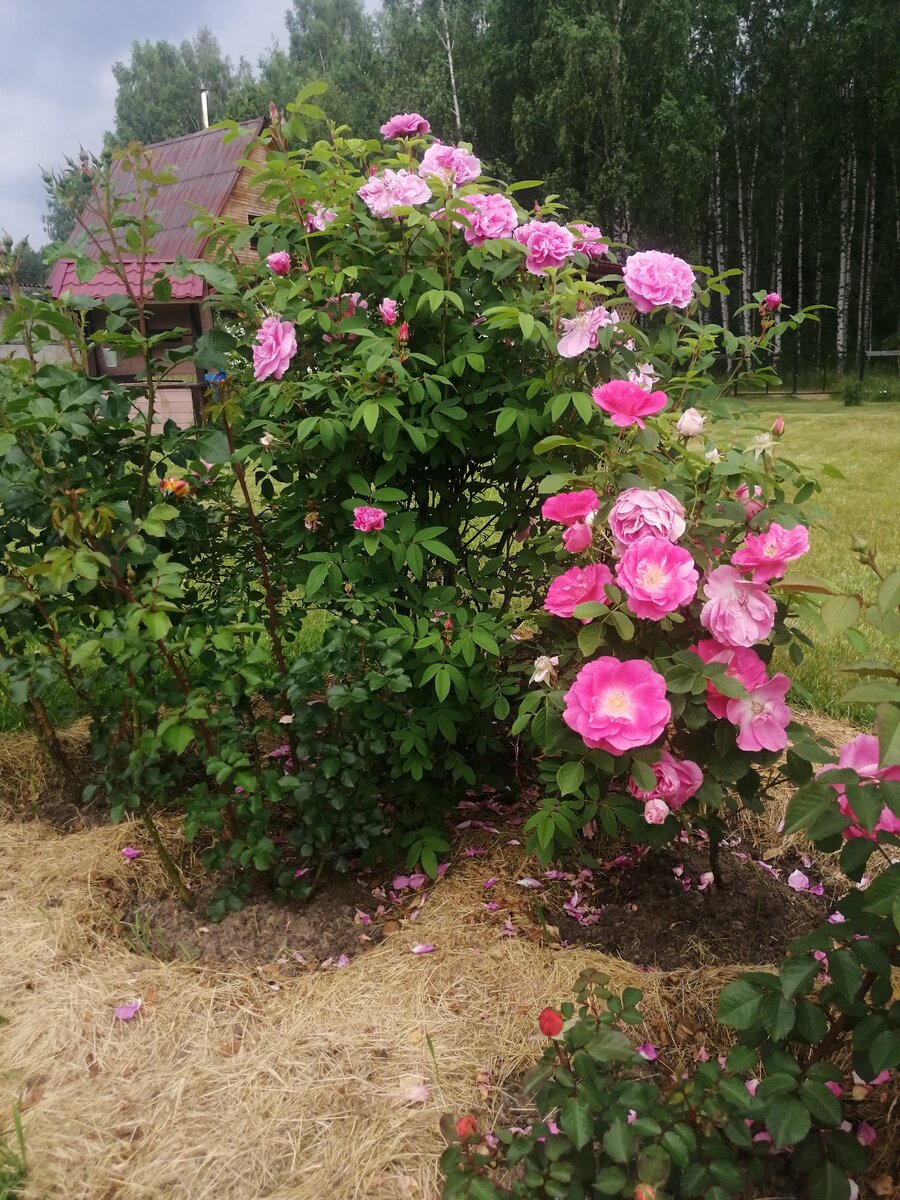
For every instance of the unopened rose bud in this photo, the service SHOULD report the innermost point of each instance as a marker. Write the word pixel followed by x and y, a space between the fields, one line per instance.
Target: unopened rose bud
pixel 466 1127
pixel 690 423
pixel 550 1022
pixel 778 426
pixel 403 333
pixel 645 1191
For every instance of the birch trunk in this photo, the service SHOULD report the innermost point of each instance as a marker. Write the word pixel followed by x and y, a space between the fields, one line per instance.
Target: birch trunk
pixel 846 233
pixel 742 235
pixel 447 43
pixel 719 236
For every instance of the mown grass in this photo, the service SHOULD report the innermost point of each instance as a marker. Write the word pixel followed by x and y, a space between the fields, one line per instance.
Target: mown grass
pixel 864 444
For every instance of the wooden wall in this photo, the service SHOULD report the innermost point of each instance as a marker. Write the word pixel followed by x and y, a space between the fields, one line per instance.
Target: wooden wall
pixel 244 201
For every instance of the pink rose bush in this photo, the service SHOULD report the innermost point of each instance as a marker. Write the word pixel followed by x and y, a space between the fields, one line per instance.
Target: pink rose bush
pixel 677 780
pixel 489 218
pixel 571 508
pixel 862 755
pixel 546 243
pixel 617 706
pixel 384 194
pixel 276 345
pixel 653 279
pixel 762 716
pixel 627 403
pixel 741 664
pixel 387 310
pixel 318 220
pixel 405 125
pixel 657 577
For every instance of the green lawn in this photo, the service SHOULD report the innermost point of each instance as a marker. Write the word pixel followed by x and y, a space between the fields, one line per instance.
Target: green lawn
pixel 864 444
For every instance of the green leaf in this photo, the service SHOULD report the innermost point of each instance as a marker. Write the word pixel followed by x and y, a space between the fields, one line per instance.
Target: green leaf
pixel 609 1181
pixel 807 806
pixel 845 972
pixel 480 1188
pixel 739 1005
pixel 211 351
pixel 316 578
pixel 577 1121
pixel 839 613
pixel 178 737
pixel 821 1102
pixel 777 1015
pixel 796 974
pixel 157 624
pixel 526 324
pixel 876 692
pixel 618 1141
pixel 887 726
pixel 883 892
pixel 569 778
pixel 828 1182
pixel 643 775
pixel 624 626
pixel 788 1121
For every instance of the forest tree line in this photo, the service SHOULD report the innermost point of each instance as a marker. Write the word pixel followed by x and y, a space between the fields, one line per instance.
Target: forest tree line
pixel 761 134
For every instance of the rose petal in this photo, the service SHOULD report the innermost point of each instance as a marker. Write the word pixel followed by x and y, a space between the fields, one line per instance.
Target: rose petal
pixel 126 1011
pixel 648 1051
pixel 422 948
pixel 798 881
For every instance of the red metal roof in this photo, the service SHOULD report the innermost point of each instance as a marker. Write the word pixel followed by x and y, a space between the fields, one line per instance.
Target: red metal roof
pixel 107 283
pixel 207 169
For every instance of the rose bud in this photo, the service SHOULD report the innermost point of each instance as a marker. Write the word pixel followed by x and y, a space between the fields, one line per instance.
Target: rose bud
pixel 690 423
pixel 645 1191
pixel 403 333
pixel 772 301
pixel 466 1127
pixel 778 426
pixel 550 1022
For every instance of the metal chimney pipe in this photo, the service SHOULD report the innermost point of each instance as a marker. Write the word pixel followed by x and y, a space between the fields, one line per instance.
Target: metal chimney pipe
pixel 204 105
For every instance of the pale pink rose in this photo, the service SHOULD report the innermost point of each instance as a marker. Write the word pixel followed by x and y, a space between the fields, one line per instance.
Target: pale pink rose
pixel 547 245
pixel 677 780
pixel 405 124
pixel 368 520
pixel 580 332
pixel 545 669
pixel 762 717
pixel 276 345
pixel 644 376
pixel 391 190
pixel 578 585
pixel 690 423
pixel 590 240
pixel 738 612
pixel 643 512
pixel 772 301
pixel 657 577
pixel 279 263
pixel 387 310
pixel 653 278
pixel 768 554
pixel 617 706
pixel 741 664
pixel 627 403
pixel 752 505
pixel 861 754
pixel 320 216
pixel 570 508
pixel 453 165
pixel 489 217
pixel 655 812
pixel 778 426
pixel 578 537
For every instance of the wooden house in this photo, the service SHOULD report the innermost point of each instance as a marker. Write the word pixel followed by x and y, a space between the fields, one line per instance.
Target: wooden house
pixel 209 176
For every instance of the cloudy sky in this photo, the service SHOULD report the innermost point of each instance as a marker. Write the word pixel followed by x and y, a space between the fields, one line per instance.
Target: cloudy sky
pixel 57 91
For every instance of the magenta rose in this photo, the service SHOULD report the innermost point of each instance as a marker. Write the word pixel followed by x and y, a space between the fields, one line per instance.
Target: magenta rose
pixel 368 520
pixel 772 301
pixel 617 706
pixel 653 278
pixel 391 190
pixel 626 403
pixel 578 585
pixel 741 664
pixel 643 512
pixel 405 125
pixel 279 263
pixel 738 612
pixel 276 345
pixel 568 508
pixel 453 165
pixel 590 240
pixel 547 244
pixel 762 717
pixel 768 554
pixel 657 577
pixel 578 537
pixel 489 217
pixel 677 780
pixel 861 755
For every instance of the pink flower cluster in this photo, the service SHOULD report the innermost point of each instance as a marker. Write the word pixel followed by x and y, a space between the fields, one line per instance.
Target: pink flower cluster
pixel 627 403
pixel 761 716
pixel 677 780
pixel 405 125
pixel 653 278
pixel 580 332
pixel 617 706
pixel 547 244
pixel 489 217
pixel 453 165
pixel 391 190
pixel 276 345
pixel 861 755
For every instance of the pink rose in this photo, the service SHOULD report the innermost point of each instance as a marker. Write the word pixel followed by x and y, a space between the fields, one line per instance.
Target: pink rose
pixel 643 512
pixel 453 165
pixel 777 426
pixel 580 332
pixel 489 217
pixel 387 310
pixel 617 706
pixel 741 664
pixel 590 241
pixel 627 403
pixel 652 278
pixel 752 505
pixel 367 519
pixel 569 508
pixel 768 554
pixel 762 717
pixel 405 124
pixel 276 345
pixel 657 577
pixel 655 812
pixel 861 755
pixel 578 537
pixel 644 376
pixel 772 301
pixel 320 216
pixel 677 780
pixel 547 245
pixel 690 423
pixel 738 612
pixel 279 263
pixel 385 193
pixel 578 585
